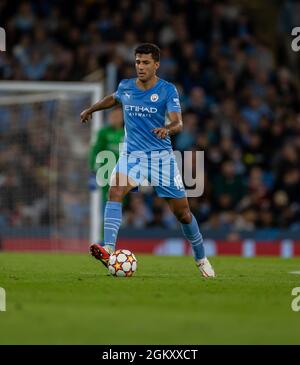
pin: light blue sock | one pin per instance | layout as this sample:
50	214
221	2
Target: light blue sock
193	235
112	222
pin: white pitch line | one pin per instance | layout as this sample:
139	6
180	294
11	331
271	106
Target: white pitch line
294	272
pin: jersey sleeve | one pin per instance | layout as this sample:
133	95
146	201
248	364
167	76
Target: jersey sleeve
118	94
173	103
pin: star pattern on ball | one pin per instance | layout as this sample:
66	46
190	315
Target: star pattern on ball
118	265
130	258
122	262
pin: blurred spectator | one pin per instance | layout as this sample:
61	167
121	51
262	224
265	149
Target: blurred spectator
137	213
186	138
228	187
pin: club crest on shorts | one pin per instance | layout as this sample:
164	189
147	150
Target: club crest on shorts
154	97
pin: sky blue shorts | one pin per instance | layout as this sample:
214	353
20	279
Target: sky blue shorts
158	169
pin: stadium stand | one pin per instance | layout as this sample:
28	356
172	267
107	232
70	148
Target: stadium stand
240	100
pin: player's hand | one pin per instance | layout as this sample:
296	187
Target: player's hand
85	116
161	133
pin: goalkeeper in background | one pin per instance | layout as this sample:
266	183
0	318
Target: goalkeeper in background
108	139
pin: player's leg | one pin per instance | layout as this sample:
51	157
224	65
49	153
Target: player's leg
168	184
104	198
180	208
120	185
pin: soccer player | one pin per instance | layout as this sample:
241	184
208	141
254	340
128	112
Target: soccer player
146	101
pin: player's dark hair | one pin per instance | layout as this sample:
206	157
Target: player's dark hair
148	48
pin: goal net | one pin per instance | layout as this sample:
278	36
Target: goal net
45	201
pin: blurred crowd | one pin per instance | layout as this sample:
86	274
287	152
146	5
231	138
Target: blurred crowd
24	168
37	186
241	104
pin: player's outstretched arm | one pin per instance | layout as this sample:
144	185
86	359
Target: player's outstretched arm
107	102
174	127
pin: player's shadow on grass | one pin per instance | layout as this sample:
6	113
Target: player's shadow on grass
156	276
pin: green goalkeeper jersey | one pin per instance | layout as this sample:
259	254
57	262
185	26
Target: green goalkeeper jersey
108	139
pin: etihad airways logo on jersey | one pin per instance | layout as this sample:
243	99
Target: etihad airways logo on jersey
140	111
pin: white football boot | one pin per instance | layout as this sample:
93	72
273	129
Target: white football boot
109	249
205	268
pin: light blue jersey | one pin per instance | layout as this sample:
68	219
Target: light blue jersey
144	110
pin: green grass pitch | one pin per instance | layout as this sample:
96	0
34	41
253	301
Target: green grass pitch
70	299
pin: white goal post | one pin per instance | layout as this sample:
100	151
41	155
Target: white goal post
14	92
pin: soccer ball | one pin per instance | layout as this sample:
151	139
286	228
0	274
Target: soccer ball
122	263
